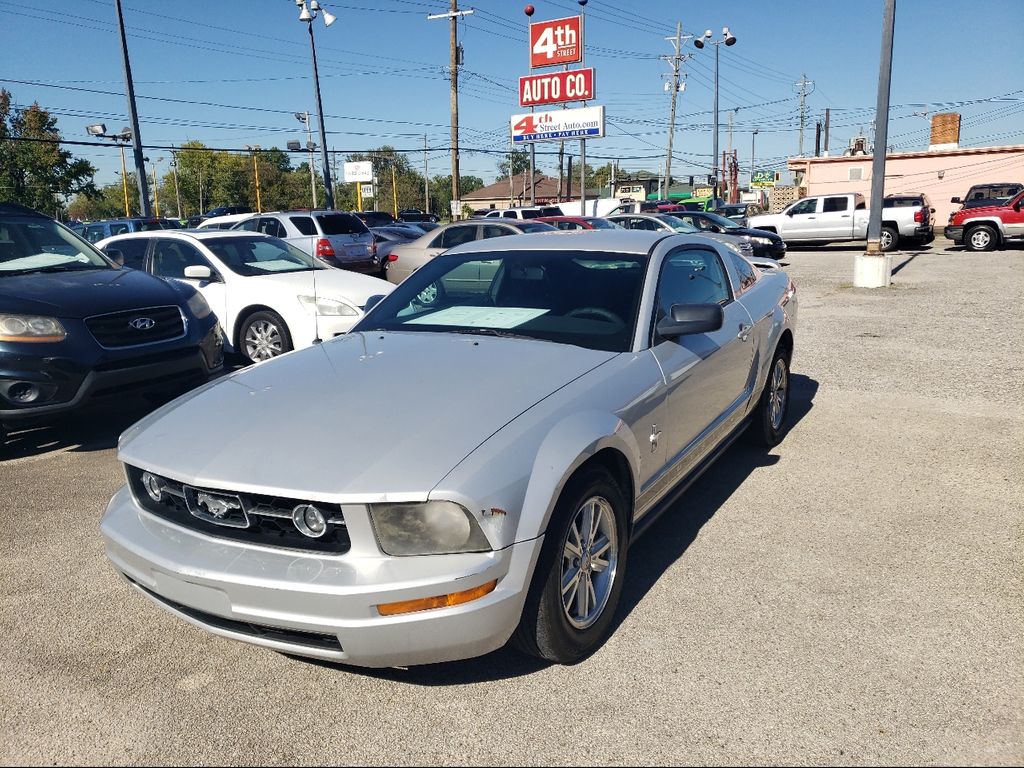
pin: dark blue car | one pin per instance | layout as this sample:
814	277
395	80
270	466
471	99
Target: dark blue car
76	326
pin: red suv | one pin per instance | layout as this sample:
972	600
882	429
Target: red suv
988	227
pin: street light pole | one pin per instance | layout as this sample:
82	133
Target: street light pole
728	39
140	167
303	117
753	134
309	12
177	192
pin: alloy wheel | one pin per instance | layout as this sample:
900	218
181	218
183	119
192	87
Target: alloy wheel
589	562
778	393
263	341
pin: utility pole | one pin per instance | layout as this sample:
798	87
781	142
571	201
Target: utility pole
826	131
426	178
511	191
140	166
803	85
676	59
873	269
731	113
454	56
174	168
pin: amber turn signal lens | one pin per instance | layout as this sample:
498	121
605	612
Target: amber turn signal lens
441	601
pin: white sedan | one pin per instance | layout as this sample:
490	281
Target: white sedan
269	296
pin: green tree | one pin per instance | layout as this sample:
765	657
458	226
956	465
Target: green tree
107	202
441	191
396	179
38	174
520	163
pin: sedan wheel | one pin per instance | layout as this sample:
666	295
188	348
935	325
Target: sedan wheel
577	581
265	336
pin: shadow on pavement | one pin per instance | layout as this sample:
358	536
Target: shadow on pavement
904	263
92	429
649	557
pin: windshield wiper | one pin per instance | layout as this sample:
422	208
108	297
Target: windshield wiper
48	270
489	332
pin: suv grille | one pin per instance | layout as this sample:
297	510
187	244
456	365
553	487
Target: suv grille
264	520
137	326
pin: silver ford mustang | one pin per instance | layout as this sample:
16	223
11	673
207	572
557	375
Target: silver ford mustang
547	396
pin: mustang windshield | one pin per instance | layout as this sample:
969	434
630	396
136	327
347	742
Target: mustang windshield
585	298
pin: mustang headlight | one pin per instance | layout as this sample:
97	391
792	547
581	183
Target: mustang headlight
32	328
761	240
325	306
427	528
198	306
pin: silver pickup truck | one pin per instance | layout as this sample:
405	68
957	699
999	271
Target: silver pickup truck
836	218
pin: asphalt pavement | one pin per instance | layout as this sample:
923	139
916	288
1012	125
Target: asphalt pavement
852	596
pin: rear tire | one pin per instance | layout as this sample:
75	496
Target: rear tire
263	335
769	418
889	239
579	575
981	238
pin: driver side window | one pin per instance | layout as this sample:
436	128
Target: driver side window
805	206
170	257
689	276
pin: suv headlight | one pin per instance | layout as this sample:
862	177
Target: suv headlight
325	306
427	528
32	328
198	306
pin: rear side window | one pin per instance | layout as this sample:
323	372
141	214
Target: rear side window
745	271
304	224
95	232
835	204
119	229
341	224
456	236
170	257
249	225
568	225
493	230
271	227
535	226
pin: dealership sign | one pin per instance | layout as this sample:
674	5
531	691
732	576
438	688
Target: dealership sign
361	171
559	41
583	123
556	87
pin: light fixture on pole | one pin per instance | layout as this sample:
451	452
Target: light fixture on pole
728	39
120	139
303	117
310	10
752	135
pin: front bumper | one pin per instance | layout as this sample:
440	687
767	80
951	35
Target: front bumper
315	605
956	234
776	250
85	374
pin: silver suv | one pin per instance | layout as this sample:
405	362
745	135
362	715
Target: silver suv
338	238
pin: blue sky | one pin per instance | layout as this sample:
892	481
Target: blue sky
232	72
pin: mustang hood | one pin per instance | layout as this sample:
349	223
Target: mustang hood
371	416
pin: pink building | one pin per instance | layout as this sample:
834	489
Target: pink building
939	173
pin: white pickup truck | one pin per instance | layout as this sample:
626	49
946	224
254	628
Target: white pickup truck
835	218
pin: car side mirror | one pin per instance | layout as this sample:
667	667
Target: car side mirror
115	256
687	319
198	272
789	212
954	199
1016	206
373	301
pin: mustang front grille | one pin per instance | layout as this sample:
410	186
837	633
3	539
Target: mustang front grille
245	517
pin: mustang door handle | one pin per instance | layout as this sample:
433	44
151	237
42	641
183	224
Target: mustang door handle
744	333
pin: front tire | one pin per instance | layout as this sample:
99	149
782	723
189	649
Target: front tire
981	238
578	579
263	336
769	418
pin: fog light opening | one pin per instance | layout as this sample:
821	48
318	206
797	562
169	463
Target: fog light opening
23	392
309	520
